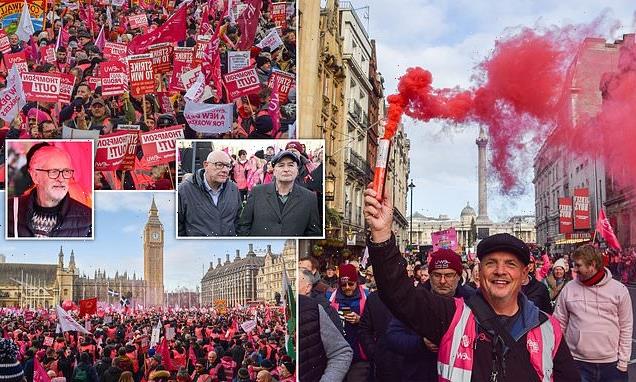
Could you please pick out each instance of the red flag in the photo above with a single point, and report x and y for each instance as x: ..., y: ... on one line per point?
x: 165, y: 354
x: 88, y: 306
x: 173, y: 30
x: 274, y: 109
x: 248, y: 21
x: 39, y: 374
x: 604, y: 227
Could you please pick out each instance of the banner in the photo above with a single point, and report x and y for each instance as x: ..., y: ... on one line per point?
x: 582, y: 208
x: 41, y: 87
x: 5, y: 45
x: 237, y: 60
x: 278, y: 15
x: 284, y: 81
x: 565, y: 215
x: 604, y: 228
x: 159, y: 146
x: 12, y: 97
x: 209, y: 118
x: 10, y: 11
x: 114, y: 51
x: 181, y: 63
x: 138, y: 21
x: 39, y: 373
x: 67, y: 81
x: 70, y: 133
x: 88, y: 306
x: 114, y: 78
x: 446, y: 239
x: 161, y: 57
x: 173, y: 30
x: 17, y: 59
x: 111, y: 150
x: 241, y: 82
x: 142, y: 78
x: 271, y: 41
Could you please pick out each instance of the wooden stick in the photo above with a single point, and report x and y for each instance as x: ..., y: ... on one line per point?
x: 170, y: 175
x: 143, y: 104
x: 123, y: 174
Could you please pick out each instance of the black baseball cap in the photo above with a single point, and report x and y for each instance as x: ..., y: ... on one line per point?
x: 504, y: 242
x: 284, y: 154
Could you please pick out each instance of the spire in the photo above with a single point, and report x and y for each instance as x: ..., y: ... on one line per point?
x: 60, y: 258
x: 482, y: 142
x: 153, y: 212
x: 71, y: 263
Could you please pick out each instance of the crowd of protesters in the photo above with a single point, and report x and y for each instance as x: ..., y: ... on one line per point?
x: 73, y: 31
x: 206, y: 346
x: 581, y: 289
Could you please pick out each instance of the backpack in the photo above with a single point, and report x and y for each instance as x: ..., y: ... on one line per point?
x: 81, y: 375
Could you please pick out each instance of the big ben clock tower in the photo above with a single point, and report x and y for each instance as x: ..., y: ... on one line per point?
x: 153, y: 257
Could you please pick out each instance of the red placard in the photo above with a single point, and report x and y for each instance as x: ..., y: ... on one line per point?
x: 285, y: 83
x: 582, y: 208
x: 94, y: 82
x: 142, y: 78
x: 67, y: 81
x: 41, y: 87
x: 565, y: 215
x: 161, y: 57
x: 159, y: 145
x: 241, y: 82
x: 18, y: 59
x: 138, y: 21
x: 5, y: 45
x: 47, y: 54
x: 112, y: 150
x: 114, y: 78
x: 279, y: 15
x: 199, y: 49
x: 182, y: 63
x: 164, y: 102
x: 114, y: 51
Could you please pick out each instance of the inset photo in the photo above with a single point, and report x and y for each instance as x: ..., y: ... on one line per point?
x: 49, y: 189
x: 256, y: 188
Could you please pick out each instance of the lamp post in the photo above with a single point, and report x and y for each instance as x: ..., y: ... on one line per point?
x: 330, y: 187
x: 411, y: 187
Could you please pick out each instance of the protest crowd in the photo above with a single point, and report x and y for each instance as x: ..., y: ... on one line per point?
x: 245, y: 344
x: 383, y: 318
x: 137, y: 75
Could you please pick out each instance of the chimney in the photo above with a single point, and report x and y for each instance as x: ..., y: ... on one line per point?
x: 238, y: 254
x: 269, y: 249
x: 211, y: 264
x: 218, y: 262
x: 227, y: 258
x: 251, y: 247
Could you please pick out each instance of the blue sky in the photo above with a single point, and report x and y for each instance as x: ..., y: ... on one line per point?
x: 118, y: 246
x: 449, y: 38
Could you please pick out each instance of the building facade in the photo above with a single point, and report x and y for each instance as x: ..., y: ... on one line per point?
x: 557, y: 172
x: 269, y: 281
x: 233, y: 281
x: 47, y: 285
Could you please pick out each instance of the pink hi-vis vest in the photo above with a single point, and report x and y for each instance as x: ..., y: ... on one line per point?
x: 363, y: 300
x: 456, y: 350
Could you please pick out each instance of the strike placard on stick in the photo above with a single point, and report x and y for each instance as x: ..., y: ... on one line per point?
x: 112, y: 150
x: 282, y: 81
x: 237, y: 60
x: 138, y: 21
x: 114, y: 78
x: 159, y: 145
x: 67, y: 81
x: 199, y: 49
x: 209, y: 119
x: 271, y: 41
x: 182, y: 63
x: 114, y: 51
x: 5, y: 45
x: 161, y: 57
x: 278, y: 15
x: 142, y: 78
x: 241, y: 82
x: 41, y: 87
x: 17, y: 59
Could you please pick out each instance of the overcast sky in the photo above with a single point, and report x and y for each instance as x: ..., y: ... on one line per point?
x: 449, y: 38
x: 118, y: 246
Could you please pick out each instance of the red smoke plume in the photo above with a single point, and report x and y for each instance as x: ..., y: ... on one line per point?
x: 522, y: 91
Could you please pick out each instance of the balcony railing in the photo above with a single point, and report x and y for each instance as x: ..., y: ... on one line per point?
x: 356, y: 163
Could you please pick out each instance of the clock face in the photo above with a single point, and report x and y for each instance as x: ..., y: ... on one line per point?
x: 155, y: 236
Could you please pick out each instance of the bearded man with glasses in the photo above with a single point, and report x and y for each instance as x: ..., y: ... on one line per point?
x: 209, y: 202
x: 47, y: 209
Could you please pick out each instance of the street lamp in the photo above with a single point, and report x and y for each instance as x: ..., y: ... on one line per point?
x: 330, y: 187
x: 411, y: 186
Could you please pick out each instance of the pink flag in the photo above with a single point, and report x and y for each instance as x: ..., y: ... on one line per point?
x: 248, y: 21
x: 191, y: 356
x: 101, y: 40
x: 604, y: 227
x: 274, y: 109
x: 165, y: 354
x: 173, y: 30
x: 39, y: 374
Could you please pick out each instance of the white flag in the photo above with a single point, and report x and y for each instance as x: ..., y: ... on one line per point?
x: 25, y: 27
x: 67, y: 323
x: 12, y: 96
x: 195, y: 93
x: 248, y: 326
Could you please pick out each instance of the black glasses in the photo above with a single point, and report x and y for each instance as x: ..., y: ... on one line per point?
x: 54, y: 173
x: 221, y: 165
